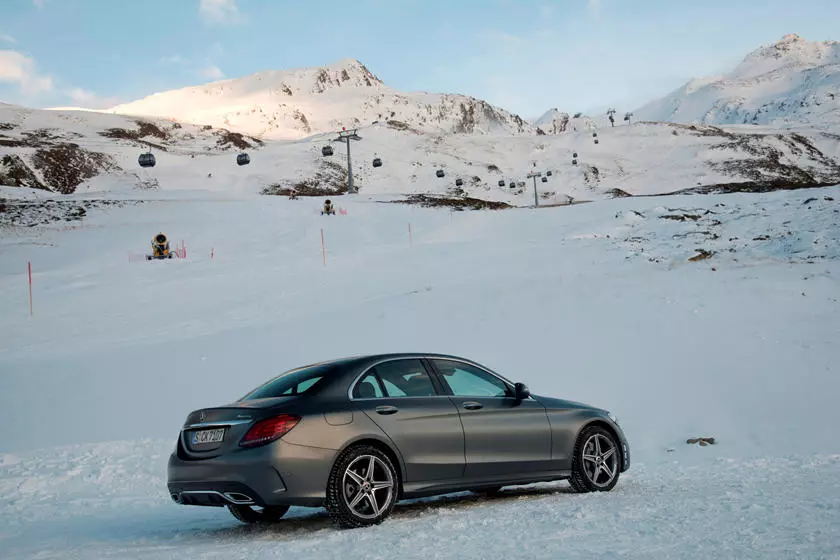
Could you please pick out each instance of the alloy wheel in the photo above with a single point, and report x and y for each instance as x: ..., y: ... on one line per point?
x: 600, y: 460
x: 367, y: 486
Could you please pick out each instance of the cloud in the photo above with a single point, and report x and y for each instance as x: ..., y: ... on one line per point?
x: 89, y: 100
x: 220, y: 12
x: 17, y: 68
x: 212, y: 72
x: 594, y: 7
x: 7, y: 38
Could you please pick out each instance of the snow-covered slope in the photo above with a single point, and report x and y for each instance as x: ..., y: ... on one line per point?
x: 594, y: 302
x: 95, y: 152
x: 791, y: 82
x: 555, y: 121
x: 292, y: 104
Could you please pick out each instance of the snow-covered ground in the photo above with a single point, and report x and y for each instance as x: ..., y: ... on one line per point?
x: 642, y: 159
x: 594, y: 302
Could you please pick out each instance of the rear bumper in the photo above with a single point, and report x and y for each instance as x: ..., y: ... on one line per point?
x: 279, y: 473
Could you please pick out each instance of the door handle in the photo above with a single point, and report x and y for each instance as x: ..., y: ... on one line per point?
x: 472, y: 405
x: 388, y: 409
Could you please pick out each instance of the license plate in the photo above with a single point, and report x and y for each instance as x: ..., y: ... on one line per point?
x: 208, y: 436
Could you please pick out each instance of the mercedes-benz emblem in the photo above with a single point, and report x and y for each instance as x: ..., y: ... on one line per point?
x: 201, y: 416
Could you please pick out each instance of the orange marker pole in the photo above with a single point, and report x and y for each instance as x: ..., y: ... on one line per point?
x: 29, y: 266
x: 323, y: 247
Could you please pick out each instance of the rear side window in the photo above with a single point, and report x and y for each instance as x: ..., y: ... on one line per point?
x: 291, y: 383
x: 405, y: 378
x: 368, y: 388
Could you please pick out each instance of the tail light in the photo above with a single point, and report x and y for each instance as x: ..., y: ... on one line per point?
x: 266, y: 431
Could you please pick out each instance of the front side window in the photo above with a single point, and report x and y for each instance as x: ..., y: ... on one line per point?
x: 405, y: 378
x: 468, y: 381
x: 291, y: 383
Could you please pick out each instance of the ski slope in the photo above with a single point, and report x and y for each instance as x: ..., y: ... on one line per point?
x: 642, y: 159
x: 593, y: 302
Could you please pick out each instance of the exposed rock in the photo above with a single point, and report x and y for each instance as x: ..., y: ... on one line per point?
x: 456, y: 203
x: 702, y: 254
x: 66, y: 166
x: 330, y: 180
x: 702, y: 441
x: 15, y: 173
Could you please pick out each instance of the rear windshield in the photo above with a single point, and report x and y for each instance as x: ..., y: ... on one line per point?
x: 294, y: 382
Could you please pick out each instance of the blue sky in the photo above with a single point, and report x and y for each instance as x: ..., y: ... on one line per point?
x: 525, y: 55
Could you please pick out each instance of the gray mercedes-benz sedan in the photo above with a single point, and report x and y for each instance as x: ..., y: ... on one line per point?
x: 357, y: 434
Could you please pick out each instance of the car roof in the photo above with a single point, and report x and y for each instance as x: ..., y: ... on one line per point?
x: 354, y: 360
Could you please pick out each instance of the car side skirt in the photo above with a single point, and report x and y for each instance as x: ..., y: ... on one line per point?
x: 424, y: 489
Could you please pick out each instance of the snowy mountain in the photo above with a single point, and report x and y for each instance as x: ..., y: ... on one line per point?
x: 289, y: 104
x: 285, y: 118
x: 555, y: 121
x: 788, y: 83
x: 70, y: 151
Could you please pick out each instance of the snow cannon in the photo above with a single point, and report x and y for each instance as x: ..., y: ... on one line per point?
x: 160, y: 248
x: 328, y: 208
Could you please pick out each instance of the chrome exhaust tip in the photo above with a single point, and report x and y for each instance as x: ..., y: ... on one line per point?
x: 238, y: 498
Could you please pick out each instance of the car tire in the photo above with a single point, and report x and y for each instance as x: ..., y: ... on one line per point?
x: 248, y: 514
x: 596, y: 463
x: 357, y: 497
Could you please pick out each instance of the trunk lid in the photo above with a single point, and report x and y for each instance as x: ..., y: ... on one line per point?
x: 209, y: 432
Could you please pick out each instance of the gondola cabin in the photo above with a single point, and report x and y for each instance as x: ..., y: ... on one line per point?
x: 147, y: 160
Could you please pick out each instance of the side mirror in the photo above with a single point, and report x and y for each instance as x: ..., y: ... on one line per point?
x: 521, y: 391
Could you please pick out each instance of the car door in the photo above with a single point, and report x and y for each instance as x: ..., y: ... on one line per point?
x: 502, y: 437
x: 402, y: 398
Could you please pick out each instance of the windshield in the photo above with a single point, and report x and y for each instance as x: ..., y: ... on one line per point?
x: 291, y: 383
